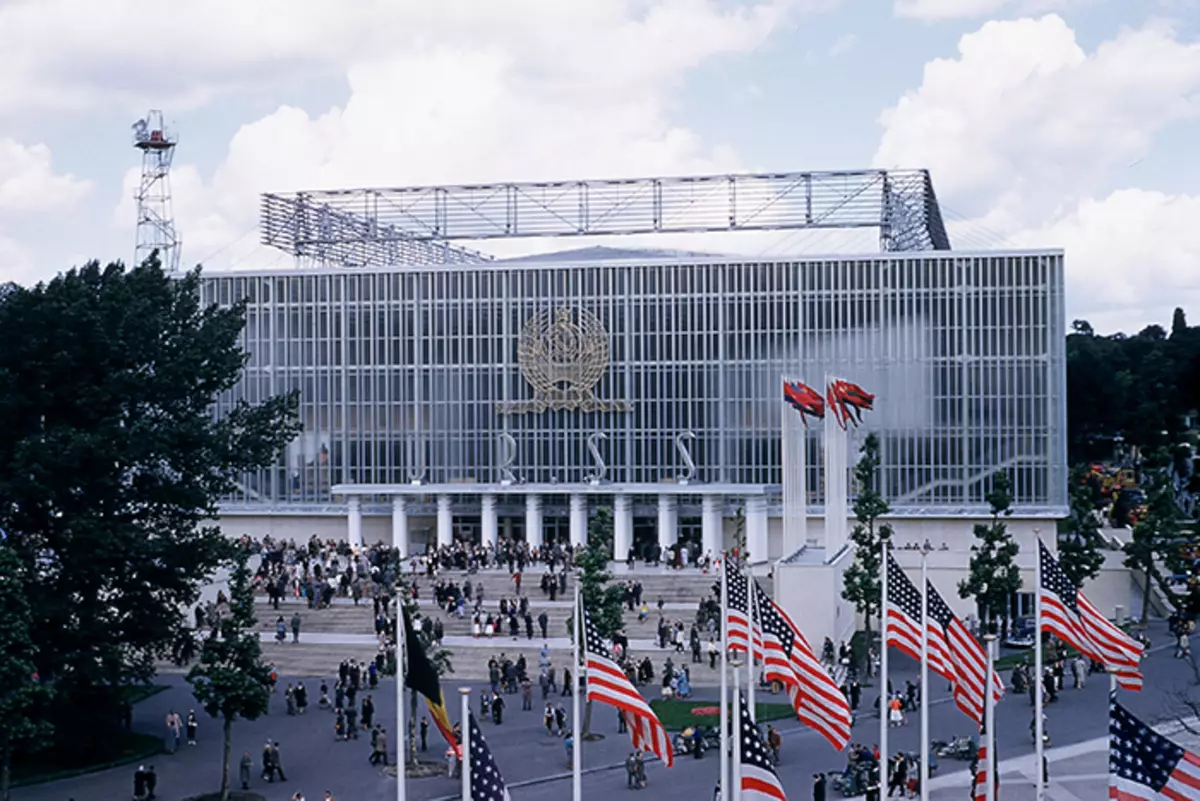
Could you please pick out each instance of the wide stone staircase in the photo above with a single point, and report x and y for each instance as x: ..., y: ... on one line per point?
x: 345, y: 630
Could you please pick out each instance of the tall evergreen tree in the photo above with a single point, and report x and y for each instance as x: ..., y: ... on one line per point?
x: 994, y: 576
x: 603, y: 601
x: 231, y: 681
x: 1079, y: 537
x: 860, y: 583
x: 23, y: 696
x: 111, y: 462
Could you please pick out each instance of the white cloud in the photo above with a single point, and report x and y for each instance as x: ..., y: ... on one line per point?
x: 1024, y: 129
x: 1131, y: 256
x: 28, y: 181
x: 938, y: 10
x: 116, y: 53
x: 484, y: 107
x: 943, y: 10
x: 17, y: 263
x: 843, y: 44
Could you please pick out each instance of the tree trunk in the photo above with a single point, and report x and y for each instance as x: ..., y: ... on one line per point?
x: 6, y: 771
x: 225, y: 758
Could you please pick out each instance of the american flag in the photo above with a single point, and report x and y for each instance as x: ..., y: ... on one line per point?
x: 759, y: 780
x: 739, y: 628
x: 486, y: 782
x: 1144, y: 765
x: 979, y: 788
x: 788, y: 659
x: 1071, y: 616
x: 608, y: 684
x: 954, y: 654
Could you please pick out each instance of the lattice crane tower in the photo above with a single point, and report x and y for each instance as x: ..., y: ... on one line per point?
x: 155, y: 219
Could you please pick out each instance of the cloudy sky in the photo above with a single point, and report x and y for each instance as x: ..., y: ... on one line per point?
x: 1066, y: 123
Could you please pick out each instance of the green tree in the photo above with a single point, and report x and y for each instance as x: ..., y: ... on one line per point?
x: 1079, y: 538
x: 230, y: 681
x: 111, y: 462
x: 23, y: 696
x: 994, y: 576
x: 603, y: 602
x: 1155, y: 539
x: 861, y: 581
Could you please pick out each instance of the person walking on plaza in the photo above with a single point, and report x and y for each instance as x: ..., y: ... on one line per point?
x: 174, y: 726
x: 424, y: 734
x: 277, y: 762
x: 191, y: 727
x: 295, y: 627
x: 818, y: 788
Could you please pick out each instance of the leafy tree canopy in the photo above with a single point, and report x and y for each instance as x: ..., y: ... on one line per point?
x: 603, y: 601
x: 1079, y: 539
x: 1136, y: 386
x: 111, y: 459
x: 993, y: 573
x: 861, y: 581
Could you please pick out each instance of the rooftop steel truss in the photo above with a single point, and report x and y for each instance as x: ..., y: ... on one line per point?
x: 414, y: 225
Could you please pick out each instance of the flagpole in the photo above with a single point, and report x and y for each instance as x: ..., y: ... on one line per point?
x: 576, y: 729
x: 465, y: 693
x: 989, y: 718
x: 750, y: 677
x: 1039, y: 688
x: 883, y: 663
x: 736, y: 784
x: 401, y: 733
x: 924, y: 768
x: 724, y: 769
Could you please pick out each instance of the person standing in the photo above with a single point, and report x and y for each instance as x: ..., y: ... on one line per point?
x: 818, y: 788
x: 244, y: 770
x: 424, y: 733
x: 295, y: 627
x: 174, y: 725
x: 191, y: 727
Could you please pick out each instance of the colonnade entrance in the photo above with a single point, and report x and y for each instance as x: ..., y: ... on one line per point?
x: 471, y: 513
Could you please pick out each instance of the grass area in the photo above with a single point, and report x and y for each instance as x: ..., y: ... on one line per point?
x: 54, y: 764
x: 678, y: 715
x: 136, y: 693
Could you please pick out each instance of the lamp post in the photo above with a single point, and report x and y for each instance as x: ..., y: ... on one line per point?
x: 924, y: 767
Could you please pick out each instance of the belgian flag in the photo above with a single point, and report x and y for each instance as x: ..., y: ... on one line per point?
x: 421, y: 676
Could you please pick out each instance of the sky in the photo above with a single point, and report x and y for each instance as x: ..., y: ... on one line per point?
x: 1045, y: 123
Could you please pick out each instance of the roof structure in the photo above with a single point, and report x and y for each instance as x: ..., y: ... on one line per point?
x: 421, y: 225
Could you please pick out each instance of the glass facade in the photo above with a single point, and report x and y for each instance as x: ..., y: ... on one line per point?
x: 453, y: 373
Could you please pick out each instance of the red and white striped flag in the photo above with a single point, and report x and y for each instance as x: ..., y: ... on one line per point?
x: 1145, y: 766
x: 608, y: 684
x: 741, y: 631
x: 1067, y: 613
x: 954, y: 654
x: 979, y: 787
x: 759, y: 780
x: 789, y: 659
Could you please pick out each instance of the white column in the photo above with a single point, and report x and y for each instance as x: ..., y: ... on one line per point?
x: 445, y: 521
x: 400, y: 525
x: 354, y: 531
x: 622, y: 527
x: 533, y: 520
x: 578, y: 520
x: 488, y: 524
x: 711, y: 526
x: 668, y: 521
x: 756, y: 529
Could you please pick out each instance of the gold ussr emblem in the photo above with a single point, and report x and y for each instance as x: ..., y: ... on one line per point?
x: 563, y: 355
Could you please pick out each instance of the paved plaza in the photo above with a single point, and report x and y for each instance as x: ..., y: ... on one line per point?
x: 534, y: 764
